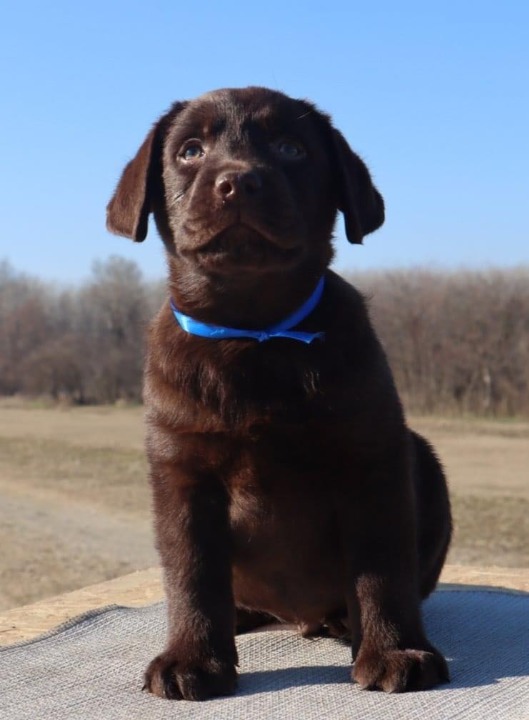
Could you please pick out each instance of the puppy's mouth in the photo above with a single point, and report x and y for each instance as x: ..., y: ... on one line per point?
x: 240, y: 246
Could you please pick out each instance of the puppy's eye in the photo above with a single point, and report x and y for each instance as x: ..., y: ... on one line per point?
x: 192, y: 150
x: 290, y: 149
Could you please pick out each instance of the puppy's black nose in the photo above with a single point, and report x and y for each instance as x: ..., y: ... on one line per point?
x: 230, y: 185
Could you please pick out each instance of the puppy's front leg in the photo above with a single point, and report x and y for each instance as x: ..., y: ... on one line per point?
x: 390, y: 649
x: 191, y: 521
x: 394, y: 653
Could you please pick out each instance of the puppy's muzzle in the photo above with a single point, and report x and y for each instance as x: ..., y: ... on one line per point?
x: 232, y: 186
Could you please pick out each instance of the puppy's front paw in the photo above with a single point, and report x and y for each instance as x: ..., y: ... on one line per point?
x: 168, y: 677
x: 400, y: 670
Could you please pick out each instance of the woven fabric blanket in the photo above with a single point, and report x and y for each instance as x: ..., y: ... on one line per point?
x: 91, y: 668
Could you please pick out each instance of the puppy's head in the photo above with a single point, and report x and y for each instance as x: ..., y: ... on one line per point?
x: 245, y: 179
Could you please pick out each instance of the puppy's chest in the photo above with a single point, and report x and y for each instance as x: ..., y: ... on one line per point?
x: 279, y: 465
x: 268, y: 385
x: 279, y: 479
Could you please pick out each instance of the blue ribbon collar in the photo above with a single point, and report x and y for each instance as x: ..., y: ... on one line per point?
x: 280, y: 330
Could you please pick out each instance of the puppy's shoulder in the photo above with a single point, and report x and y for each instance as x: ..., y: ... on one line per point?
x: 346, y: 308
x: 342, y: 291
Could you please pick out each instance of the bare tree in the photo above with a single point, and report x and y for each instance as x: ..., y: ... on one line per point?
x: 457, y: 342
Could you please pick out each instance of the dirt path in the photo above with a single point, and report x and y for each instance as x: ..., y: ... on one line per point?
x: 51, y: 544
x: 75, y: 508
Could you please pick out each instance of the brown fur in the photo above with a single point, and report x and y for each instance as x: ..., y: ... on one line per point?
x: 286, y: 483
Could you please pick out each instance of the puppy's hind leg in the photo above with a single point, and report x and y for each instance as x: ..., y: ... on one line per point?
x: 434, y: 519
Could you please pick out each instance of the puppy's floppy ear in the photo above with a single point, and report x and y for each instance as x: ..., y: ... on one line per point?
x: 358, y: 199
x: 141, y: 180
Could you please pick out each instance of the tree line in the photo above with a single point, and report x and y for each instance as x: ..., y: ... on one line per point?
x: 458, y: 342
x: 83, y: 344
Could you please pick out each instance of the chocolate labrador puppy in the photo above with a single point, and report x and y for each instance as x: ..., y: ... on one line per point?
x: 286, y: 483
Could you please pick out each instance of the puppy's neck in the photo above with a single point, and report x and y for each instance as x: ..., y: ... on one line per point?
x: 249, y: 300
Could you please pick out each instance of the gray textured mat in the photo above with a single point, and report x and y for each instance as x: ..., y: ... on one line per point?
x: 92, y: 668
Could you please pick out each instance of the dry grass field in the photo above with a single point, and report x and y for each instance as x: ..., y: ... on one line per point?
x: 74, y: 501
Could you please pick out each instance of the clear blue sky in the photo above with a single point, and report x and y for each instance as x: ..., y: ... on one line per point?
x: 433, y: 95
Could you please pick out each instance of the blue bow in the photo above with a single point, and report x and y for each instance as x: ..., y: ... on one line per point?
x: 282, y: 329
